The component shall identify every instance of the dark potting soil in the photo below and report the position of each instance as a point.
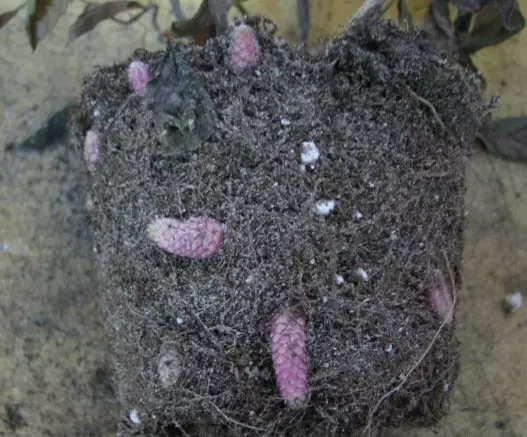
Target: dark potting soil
(393, 123)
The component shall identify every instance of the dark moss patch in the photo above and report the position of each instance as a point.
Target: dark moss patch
(383, 154)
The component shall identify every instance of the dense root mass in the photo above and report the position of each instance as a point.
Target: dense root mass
(350, 240)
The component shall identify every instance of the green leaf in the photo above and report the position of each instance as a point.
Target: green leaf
(506, 138)
(6, 16)
(94, 13)
(489, 29)
(42, 17)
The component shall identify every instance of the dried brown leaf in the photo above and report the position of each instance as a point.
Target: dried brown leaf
(303, 15)
(200, 26)
(94, 13)
(209, 21)
(238, 4)
(441, 16)
(464, 6)
(219, 9)
(506, 8)
(488, 29)
(404, 15)
(177, 11)
(42, 17)
(6, 16)
(506, 138)
(463, 22)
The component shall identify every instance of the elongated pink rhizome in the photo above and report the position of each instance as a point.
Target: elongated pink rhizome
(440, 296)
(138, 75)
(196, 237)
(290, 356)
